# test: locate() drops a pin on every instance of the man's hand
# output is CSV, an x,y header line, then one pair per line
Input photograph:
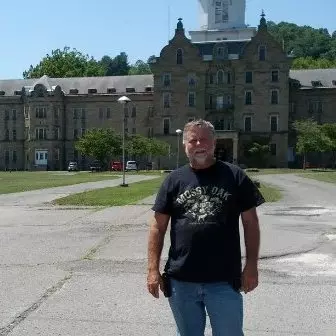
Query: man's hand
x,y
154,282
250,277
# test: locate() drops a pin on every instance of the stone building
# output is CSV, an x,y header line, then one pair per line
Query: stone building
x,y
235,76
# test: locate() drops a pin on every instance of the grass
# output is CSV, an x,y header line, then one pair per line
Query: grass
x,y
115,195
25,181
134,193
326,176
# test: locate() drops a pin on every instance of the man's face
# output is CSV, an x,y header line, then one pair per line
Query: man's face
x,y
199,145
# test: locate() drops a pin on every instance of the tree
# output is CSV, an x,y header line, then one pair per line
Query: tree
x,y
140,68
117,66
329,130
158,147
100,144
259,153
310,138
65,63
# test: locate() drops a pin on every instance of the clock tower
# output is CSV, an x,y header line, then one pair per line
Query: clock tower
x,y
222,20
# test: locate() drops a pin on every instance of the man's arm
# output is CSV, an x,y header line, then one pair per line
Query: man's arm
x,y
252,242
157,231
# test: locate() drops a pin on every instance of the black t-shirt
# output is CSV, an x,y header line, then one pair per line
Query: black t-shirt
x,y
204,206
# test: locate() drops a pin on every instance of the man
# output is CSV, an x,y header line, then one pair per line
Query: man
x,y
203,201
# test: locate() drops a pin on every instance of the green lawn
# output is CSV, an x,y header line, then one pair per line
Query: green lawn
x,y
115,195
25,181
327,176
134,193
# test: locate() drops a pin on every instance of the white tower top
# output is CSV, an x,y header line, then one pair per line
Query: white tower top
x,y
222,14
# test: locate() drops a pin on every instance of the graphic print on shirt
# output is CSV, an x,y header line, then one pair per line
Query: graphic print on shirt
x,y
202,204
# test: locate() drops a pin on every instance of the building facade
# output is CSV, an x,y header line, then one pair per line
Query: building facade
x,y
237,77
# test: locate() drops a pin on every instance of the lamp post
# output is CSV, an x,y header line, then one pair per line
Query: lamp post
x,y
123,101
178,132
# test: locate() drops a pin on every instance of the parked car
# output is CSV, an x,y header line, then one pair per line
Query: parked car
x,y
131,165
116,166
73,166
95,166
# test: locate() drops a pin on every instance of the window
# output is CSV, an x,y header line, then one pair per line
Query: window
x,y
248,77
6,157
56,133
274,123
166,126
75,133
220,52
211,101
179,56
150,132
211,78
57,154
7,134
220,77
219,102
166,100
126,111
221,11
192,80
56,112
101,113
14,114
83,113
133,130
150,111
247,123
108,113
229,77
275,97
26,112
166,79
273,149
40,133
229,100
83,130
191,99
41,112
262,53
134,112
248,97
6,115
14,156
14,135
275,76
75,113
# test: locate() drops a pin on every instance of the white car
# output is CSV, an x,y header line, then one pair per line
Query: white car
x,y
131,165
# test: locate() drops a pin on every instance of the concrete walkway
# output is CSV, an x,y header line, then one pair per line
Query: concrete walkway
x,y
83,271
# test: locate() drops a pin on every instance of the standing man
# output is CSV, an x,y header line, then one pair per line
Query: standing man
x,y
203,201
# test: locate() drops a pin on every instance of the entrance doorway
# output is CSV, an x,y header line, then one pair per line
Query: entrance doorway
x,y
224,150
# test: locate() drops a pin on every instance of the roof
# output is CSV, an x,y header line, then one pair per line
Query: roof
x,y
320,78
82,84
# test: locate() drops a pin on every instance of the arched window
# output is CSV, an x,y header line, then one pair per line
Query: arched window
x,y
220,77
179,56
262,53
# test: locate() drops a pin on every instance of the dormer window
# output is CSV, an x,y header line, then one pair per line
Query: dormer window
x,y
220,52
262,53
179,56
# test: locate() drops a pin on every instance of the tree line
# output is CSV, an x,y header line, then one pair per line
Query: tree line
x,y
69,62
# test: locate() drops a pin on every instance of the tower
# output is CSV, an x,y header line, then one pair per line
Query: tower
x,y
222,20
222,14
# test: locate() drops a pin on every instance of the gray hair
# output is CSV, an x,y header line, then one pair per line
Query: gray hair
x,y
201,123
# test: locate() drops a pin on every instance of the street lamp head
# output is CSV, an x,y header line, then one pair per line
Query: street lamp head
x,y
178,131
124,100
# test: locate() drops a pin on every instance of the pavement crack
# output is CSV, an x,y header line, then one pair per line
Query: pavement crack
x,y
4,331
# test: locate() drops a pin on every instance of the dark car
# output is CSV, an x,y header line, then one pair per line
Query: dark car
x,y
95,166
73,166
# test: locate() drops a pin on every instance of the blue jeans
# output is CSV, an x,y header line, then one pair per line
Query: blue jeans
x,y
190,302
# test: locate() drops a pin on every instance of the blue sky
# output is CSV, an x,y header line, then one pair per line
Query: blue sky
x,y
31,29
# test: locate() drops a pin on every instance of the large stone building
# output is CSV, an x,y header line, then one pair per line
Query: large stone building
x,y
235,76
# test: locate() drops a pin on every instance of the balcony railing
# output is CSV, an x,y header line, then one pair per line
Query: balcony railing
x,y
219,108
